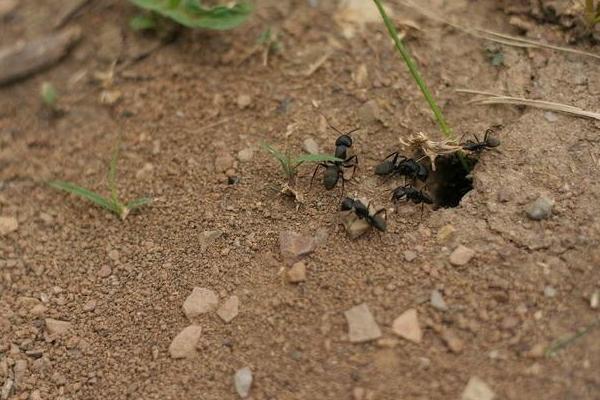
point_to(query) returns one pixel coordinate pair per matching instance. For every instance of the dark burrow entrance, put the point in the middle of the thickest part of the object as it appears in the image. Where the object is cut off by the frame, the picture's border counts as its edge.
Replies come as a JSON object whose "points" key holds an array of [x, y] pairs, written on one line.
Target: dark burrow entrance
{"points": [[451, 181]]}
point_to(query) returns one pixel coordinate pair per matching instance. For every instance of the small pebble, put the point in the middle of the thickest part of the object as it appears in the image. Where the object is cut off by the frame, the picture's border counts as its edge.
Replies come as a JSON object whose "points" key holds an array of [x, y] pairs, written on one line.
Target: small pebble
{"points": [[369, 113], [437, 301], [311, 146], [297, 273], [454, 343], [56, 327], [184, 344], [540, 209], [114, 255], [595, 300], [229, 309], [407, 326], [245, 155], [358, 393], [410, 255], [355, 227], [361, 76], [461, 256], [477, 389], [242, 381], [294, 246], [208, 237], [7, 7], [89, 306], [223, 161], [104, 271], [200, 301], [8, 225], [244, 101], [361, 324], [550, 116], [537, 351], [549, 291]]}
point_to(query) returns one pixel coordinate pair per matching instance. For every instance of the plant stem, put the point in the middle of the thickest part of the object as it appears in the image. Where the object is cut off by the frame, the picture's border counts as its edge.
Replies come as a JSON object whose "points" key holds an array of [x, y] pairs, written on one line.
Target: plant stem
{"points": [[414, 71]]}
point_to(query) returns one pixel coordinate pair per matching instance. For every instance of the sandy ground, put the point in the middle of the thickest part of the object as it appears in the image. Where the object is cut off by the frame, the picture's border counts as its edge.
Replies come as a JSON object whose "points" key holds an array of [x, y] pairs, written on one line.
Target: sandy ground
{"points": [[183, 115]]}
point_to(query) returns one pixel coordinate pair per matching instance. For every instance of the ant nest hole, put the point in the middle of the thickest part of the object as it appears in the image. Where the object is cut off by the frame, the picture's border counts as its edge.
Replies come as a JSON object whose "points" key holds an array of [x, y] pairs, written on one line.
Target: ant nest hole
{"points": [[451, 180]]}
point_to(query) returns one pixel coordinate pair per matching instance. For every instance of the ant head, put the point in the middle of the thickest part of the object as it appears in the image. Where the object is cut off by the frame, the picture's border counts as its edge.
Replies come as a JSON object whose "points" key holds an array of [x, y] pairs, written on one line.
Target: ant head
{"points": [[347, 204], [344, 140]]}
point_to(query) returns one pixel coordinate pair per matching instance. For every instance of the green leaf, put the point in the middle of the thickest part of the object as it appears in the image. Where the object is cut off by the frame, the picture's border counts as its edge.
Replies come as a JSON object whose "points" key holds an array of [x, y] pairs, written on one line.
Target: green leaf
{"points": [[86, 194], [192, 14], [142, 23], [316, 158], [137, 203]]}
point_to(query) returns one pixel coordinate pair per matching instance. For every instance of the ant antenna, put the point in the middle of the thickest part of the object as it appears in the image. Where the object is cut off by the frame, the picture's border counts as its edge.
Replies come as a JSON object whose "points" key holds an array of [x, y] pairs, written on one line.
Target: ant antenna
{"points": [[333, 127]]}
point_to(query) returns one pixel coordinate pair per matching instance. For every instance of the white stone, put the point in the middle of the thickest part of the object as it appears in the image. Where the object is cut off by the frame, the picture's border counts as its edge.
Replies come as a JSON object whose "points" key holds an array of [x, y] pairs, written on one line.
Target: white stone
{"points": [[243, 382]]}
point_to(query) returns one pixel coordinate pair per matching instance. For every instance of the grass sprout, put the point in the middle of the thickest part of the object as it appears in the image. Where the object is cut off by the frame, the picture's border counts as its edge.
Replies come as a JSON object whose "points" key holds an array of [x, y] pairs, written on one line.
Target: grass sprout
{"points": [[49, 95], [289, 164], [191, 14], [112, 203]]}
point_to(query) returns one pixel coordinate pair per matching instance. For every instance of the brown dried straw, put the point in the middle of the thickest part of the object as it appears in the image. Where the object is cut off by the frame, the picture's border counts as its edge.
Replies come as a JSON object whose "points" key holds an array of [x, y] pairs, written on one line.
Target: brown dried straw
{"points": [[491, 98]]}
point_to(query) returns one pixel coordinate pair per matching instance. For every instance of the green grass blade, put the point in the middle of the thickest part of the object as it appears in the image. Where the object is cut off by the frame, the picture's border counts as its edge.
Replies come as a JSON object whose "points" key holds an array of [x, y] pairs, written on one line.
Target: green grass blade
{"points": [[316, 158], [86, 194], [137, 203], [414, 71]]}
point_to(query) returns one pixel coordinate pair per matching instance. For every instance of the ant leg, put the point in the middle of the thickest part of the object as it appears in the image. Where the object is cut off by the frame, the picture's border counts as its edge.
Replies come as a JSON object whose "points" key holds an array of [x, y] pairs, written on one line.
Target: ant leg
{"points": [[395, 155], [341, 175], [352, 131], [315, 173], [383, 210], [354, 164]]}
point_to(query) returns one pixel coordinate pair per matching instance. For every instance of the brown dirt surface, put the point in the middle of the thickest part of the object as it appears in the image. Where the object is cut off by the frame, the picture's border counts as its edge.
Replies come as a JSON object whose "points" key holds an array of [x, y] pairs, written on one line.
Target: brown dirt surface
{"points": [[121, 285]]}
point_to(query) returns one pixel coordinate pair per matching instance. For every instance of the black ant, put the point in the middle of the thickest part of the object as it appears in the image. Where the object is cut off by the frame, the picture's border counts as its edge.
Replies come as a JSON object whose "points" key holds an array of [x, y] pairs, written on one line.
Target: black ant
{"points": [[476, 146], [401, 165], [334, 170], [410, 193], [362, 211]]}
